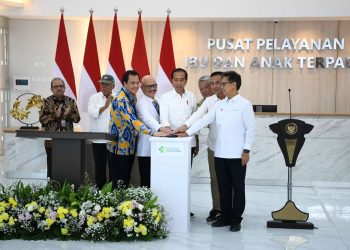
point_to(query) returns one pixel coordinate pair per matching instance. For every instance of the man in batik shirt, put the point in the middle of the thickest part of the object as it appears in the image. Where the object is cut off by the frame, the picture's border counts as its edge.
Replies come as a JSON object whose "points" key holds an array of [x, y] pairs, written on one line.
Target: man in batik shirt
{"points": [[125, 125], [58, 113]]}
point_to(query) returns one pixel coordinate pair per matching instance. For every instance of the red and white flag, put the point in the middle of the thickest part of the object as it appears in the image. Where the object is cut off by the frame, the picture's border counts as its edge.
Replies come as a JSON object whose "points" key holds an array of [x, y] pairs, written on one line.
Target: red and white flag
{"points": [[63, 64], [116, 66], [139, 60], [90, 74], [166, 61]]}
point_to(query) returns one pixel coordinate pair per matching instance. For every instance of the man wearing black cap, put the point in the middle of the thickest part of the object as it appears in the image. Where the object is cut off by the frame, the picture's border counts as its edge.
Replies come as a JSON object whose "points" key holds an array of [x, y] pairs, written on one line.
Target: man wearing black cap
{"points": [[98, 109]]}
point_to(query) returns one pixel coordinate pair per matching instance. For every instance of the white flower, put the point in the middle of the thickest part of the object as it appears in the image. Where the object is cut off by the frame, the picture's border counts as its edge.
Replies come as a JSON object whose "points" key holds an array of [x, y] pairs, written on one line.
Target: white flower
{"points": [[97, 208], [128, 212], [140, 207], [30, 208]]}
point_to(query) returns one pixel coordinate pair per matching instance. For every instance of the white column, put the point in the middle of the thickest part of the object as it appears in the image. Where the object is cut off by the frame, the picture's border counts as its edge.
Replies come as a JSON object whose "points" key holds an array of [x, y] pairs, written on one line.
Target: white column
{"points": [[171, 179]]}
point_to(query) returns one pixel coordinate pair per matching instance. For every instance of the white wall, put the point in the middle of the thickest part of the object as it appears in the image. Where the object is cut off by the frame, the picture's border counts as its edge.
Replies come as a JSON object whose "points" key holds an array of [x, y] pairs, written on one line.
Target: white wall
{"points": [[4, 77], [184, 9]]}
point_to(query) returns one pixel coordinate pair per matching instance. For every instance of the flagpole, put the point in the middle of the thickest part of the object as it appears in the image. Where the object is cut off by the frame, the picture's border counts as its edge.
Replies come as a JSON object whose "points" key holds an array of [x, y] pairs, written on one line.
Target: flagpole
{"points": [[168, 11], [116, 66]]}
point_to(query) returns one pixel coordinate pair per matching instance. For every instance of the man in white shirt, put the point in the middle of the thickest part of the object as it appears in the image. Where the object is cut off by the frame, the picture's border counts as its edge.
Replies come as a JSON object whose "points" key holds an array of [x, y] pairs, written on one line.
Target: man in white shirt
{"points": [[209, 103], [147, 108], [99, 114], [177, 105], [235, 126]]}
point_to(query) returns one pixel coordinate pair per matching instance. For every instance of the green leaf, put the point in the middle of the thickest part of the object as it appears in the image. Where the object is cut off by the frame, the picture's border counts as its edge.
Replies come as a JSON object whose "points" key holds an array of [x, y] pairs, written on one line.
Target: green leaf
{"points": [[107, 188], [151, 203]]}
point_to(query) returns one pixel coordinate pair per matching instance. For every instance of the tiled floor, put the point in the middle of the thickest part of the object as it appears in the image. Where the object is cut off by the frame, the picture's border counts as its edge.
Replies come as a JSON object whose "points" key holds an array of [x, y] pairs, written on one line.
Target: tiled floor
{"points": [[327, 203]]}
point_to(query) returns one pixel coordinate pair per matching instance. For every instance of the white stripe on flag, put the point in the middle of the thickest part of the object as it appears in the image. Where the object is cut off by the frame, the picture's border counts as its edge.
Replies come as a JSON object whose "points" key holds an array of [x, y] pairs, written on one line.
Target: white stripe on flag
{"points": [[118, 83], [86, 90], [57, 73], [164, 84]]}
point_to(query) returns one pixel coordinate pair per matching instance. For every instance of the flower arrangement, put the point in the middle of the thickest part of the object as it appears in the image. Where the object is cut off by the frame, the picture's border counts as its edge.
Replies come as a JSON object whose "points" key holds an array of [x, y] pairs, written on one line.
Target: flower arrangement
{"points": [[54, 212]]}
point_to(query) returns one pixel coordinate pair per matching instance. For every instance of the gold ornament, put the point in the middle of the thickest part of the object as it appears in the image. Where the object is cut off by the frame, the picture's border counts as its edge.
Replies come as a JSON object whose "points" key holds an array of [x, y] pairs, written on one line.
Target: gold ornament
{"points": [[19, 113]]}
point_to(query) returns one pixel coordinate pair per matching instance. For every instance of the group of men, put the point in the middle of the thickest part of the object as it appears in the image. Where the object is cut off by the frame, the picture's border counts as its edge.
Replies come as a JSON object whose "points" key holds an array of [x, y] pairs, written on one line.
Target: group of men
{"points": [[132, 121]]}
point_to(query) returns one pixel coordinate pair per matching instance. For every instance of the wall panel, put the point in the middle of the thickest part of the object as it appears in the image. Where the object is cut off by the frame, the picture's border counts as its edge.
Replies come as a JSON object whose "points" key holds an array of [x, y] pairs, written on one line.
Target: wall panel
{"points": [[256, 82], [343, 75], [313, 90]]}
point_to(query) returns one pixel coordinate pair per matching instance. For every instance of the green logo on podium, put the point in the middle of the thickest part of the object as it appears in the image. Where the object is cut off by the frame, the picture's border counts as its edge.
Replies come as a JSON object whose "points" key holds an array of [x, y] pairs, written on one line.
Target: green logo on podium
{"points": [[162, 149]]}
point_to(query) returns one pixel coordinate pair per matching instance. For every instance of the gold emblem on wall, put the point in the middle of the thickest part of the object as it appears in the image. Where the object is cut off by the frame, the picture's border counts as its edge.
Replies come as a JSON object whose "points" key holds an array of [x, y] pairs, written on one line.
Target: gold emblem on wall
{"points": [[291, 128]]}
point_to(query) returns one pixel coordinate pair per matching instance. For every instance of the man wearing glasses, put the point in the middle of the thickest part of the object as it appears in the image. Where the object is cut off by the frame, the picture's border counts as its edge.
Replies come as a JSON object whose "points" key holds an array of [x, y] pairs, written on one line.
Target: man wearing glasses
{"points": [[235, 122], [58, 113], [147, 108]]}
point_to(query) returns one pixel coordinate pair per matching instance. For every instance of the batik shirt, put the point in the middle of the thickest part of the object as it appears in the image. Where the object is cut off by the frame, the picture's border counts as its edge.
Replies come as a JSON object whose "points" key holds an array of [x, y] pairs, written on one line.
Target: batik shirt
{"points": [[124, 124], [48, 118]]}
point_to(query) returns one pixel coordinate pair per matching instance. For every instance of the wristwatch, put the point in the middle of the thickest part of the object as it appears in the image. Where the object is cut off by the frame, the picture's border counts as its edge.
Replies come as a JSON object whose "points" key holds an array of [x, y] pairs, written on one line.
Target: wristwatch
{"points": [[246, 150]]}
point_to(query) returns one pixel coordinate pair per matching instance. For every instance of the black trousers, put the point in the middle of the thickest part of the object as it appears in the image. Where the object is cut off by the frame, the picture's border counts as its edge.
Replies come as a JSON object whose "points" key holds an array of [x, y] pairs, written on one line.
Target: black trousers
{"points": [[49, 161], [145, 171], [121, 166], [231, 180], [101, 158], [192, 154]]}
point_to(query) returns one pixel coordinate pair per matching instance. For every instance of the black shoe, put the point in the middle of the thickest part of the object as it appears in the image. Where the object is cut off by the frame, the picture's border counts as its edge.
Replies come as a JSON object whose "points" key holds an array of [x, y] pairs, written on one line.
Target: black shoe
{"points": [[214, 214], [235, 227], [192, 215], [221, 222]]}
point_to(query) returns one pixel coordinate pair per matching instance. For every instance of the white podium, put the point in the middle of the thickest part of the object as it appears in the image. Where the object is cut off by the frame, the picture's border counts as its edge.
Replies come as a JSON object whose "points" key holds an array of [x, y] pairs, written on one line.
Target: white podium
{"points": [[171, 179]]}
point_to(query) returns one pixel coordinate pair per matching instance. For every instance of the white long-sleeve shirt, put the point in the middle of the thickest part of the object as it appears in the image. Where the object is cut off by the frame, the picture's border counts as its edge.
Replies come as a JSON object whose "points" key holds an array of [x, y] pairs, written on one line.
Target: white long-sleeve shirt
{"points": [[235, 122], [98, 122], [148, 114], [209, 103], [175, 109]]}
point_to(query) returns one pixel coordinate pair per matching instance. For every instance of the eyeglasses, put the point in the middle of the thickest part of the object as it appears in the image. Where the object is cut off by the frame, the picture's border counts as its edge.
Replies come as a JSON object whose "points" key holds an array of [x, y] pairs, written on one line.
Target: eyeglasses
{"points": [[58, 86], [149, 87]]}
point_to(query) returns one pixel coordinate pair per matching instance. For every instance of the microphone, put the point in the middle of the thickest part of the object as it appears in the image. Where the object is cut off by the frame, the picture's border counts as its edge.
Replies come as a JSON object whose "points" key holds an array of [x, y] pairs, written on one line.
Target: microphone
{"points": [[290, 105]]}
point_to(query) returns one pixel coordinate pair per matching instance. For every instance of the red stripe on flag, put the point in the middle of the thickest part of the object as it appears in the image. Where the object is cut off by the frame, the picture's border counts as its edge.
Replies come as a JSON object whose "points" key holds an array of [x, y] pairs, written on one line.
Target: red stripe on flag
{"points": [[116, 58], [139, 60], [167, 59], [63, 59], [91, 62]]}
